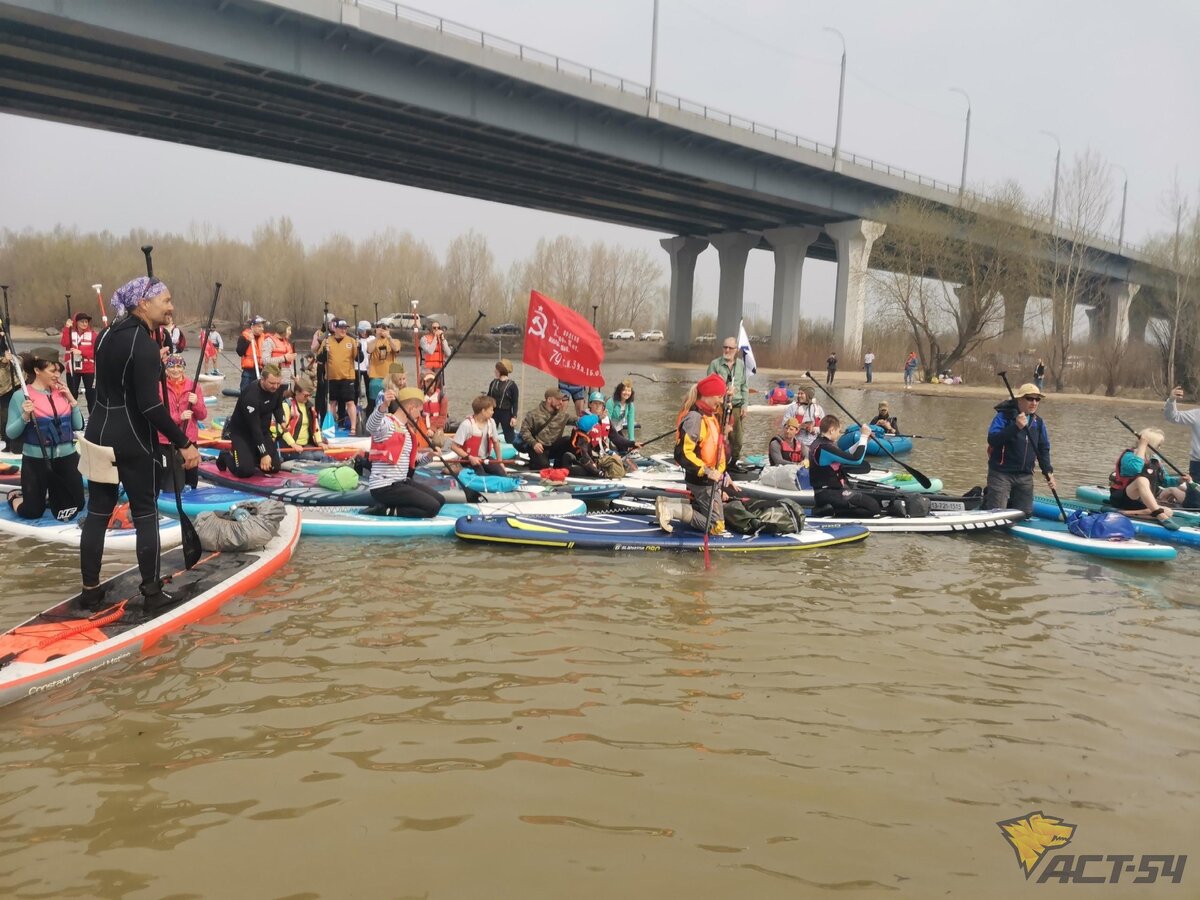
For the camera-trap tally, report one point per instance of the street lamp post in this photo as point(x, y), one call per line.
point(837, 140)
point(595, 306)
point(962, 185)
point(1124, 199)
point(1054, 198)
point(654, 55)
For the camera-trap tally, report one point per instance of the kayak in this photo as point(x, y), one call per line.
point(57, 646)
point(1188, 535)
point(356, 523)
point(879, 443)
point(48, 528)
point(1098, 495)
point(1055, 534)
point(637, 532)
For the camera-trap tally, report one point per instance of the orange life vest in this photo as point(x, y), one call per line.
point(254, 351)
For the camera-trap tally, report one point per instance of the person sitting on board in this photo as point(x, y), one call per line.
point(477, 442)
point(543, 430)
point(786, 448)
point(884, 420)
point(1138, 483)
point(620, 410)
point(249, 428)
point(1017, 441)
point(299, 430)
point(47, 416)
point(505, 392)
point(779, 395)
point(700, 450)
point(396, 450)
point(807, 412)
point(185, 403)
point(828, 467)
point(583, 459)
point(611, 442)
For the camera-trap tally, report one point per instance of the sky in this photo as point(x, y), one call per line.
point(1121, 79)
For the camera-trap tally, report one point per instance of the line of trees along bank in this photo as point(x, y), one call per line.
point(278, 277)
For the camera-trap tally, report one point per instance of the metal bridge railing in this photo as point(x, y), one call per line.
point(595, 76)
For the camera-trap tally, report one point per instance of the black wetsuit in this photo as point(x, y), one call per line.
point(249, 431)
point(128, 417)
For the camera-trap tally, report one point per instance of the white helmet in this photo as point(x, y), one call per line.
point(364, 325)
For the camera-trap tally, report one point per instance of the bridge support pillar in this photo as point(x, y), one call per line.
point(853, 240)
point(1114, 318)
point(733, 247)
point(1014, 314)
point(683, 252)
point(1139, 318)
point(790, 245)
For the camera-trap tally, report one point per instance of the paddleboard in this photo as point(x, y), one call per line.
point(300, 488)
point(49, 529)
point(1055, 534)
point(356, 523)
point(636, 532)
point(1188, 535)
point(205, 376)
point(59, 645)
point(1098, 495)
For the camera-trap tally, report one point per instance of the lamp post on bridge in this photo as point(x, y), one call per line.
point(837, 140)
point(962, 185)
point(1054, 198)
point(1124, 198)
point(595, 306)
point(654, 56)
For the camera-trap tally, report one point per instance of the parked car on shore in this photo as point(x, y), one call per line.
point(404, 321)
point(506, 328)
point(622, 334)
point(705, 339)
point(653, 335)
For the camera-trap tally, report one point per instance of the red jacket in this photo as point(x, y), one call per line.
point(176, 401)
point(84, 342)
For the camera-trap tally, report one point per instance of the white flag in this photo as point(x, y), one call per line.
point(747, 351)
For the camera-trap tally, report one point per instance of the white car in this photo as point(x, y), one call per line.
point(622, 334)
point(654, 335)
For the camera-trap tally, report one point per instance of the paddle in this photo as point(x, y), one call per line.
point(921, 478)
point(650, 377)
point(659, 437)
point(68, 296)
point(192, 551)
point(1062, 511)
point(438, 377)
point(327, 420)
point(1129, 428)
point(924, 437)
point(100, 300)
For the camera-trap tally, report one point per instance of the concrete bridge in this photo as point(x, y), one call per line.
point(368, 88)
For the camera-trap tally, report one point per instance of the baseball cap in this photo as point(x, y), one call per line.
point(258, 320)
point(339, 323)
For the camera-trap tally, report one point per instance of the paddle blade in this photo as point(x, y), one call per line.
point(921, 478)
point(327, 422)
point(192, 551)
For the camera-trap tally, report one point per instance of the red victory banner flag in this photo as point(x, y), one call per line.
point(561, 342)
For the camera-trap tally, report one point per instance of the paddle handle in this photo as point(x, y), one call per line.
point(1178, 471)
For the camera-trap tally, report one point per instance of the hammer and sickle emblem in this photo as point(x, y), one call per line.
point(538, 324)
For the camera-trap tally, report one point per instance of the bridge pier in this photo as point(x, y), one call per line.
point(853, 240)
point(1108, 322)
point(733, 247)
point(683, 252)
point(790, 245)
point(1139, 318)
point(1014, 314)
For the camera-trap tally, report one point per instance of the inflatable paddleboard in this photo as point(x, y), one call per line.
point(1098, 495)
point(636, 532)
point(1055, 534)
point(49, 529)
point(356, 523)
point(300, 488)
point(1187, 535)
point(59, 645)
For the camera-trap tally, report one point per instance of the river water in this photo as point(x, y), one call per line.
point(435, 719)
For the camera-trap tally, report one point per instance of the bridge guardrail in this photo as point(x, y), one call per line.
point(627, 86)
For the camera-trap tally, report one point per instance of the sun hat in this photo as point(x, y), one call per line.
point(1029, 389)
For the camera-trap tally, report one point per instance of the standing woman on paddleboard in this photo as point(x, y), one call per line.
point(700, 450)
point(121, 440)
point(47, 416)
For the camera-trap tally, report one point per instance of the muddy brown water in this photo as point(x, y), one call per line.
point(435, 719)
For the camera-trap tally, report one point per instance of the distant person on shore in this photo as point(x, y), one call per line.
point(830, 366)
point(1017, 441)
point(1191, 418)
point(1039, 374)
point(910, 369)
point(868, 364)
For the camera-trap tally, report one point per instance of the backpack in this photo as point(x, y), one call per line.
point(1109, 526)
point(909, 506)
point(764, 516)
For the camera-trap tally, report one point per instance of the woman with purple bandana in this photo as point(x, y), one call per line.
point(128, 417)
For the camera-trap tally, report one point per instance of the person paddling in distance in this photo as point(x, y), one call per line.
point(1191, 417)
point(121, 435)
point(1138, 483)
point(185, 403)
point(299, 429)
point(477, 443)
point(700, 450)
point(805, 410)
point(395, 453)
point(79, 341)
point(786, 448)
point(253, 450)
point(829, 467)
point(507, 396)
point(1017, 441)
point(884, 419)
point(47, 416)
